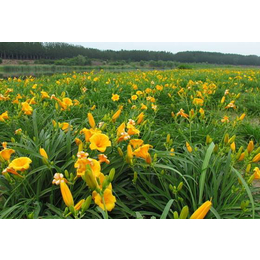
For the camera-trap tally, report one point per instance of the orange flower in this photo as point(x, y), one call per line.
point(142, 152)
point(103, 158)
point(6, 154)
point(182, 114)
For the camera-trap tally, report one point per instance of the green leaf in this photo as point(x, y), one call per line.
point(204, 171)
point(247, 190)
point(166, 209)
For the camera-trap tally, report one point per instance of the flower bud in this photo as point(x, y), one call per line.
point(90, 178)
point(66, 194)
point(241, 157)
point(250, 146)
point(175, 215)
point(148, 159)
point(120, 151)
point(256, 158)
point(208, 139)
point(202, 211)
point(184, 212)
point(168, 138)
point(112, 174)
point(91, 120)
point(233, 147)
point(250, 180)
point(79, 204)
point(232, 139)
point(239, 152)
point(189, 148)
point(180, 186)
point(248, 168)
point(226, 138)
point(215, 150)
point(67, 175)
point(86, 204)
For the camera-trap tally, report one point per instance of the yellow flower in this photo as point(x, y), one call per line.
point(142, 152)
point(66, 194)
point(44, 94)
point(132, 130)
point(4, 116)
point(81, 164)
point(26, 108)
point(99, 142)
point(134, 97)
point(231, 104)
point(43, 153)
point(143, 107)
point(121, 129)
point(109, 199)
point(136, 143)
point(115, 97)
point(256, 173)
point(65, 126)
point(202, 211)
point(20, 164)
point(6, 154)
point(91, 120)
point(198, 101)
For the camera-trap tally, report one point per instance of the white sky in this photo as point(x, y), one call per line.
point(245, 48)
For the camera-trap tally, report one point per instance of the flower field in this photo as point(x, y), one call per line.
point(173, 144)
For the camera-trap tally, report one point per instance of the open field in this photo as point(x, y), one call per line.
point(140, 144)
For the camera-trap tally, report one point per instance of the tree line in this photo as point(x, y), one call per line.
point(58, 50)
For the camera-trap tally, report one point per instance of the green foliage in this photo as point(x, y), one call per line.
point(175, 183)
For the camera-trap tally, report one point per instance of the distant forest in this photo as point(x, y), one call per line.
point(55, 51)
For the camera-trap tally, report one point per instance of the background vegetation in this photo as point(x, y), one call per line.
point(57, 51)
